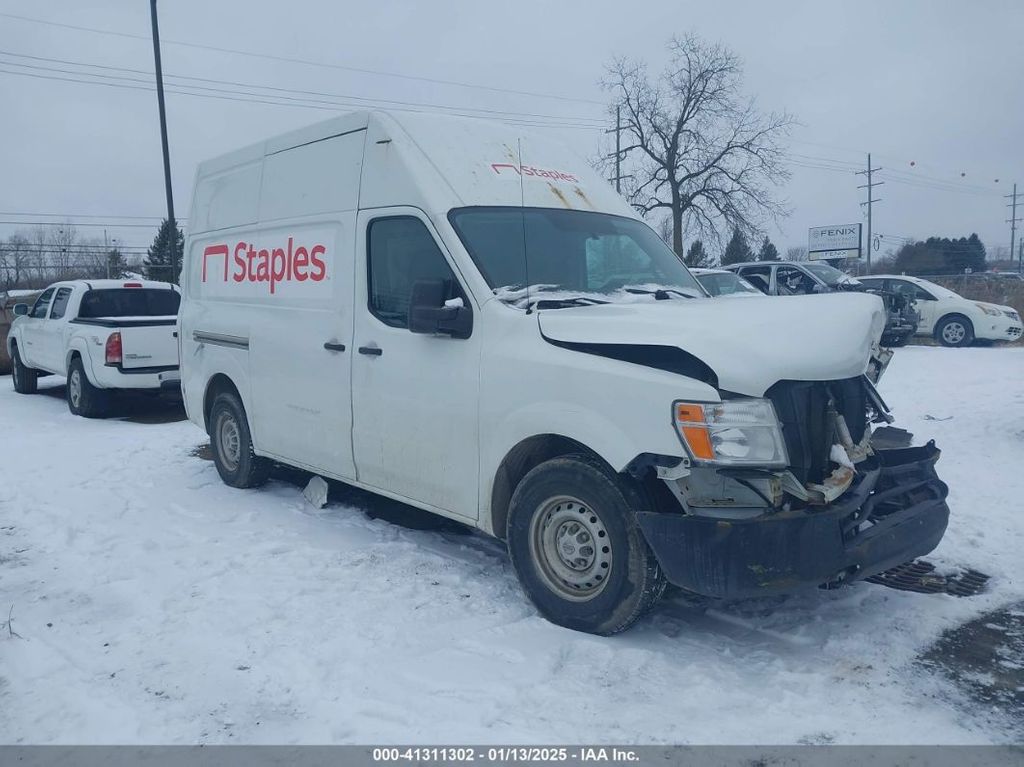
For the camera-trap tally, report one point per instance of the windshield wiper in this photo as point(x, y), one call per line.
point(661, 294)
point(561, 303)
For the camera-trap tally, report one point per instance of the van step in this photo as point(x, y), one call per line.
point(919, 576)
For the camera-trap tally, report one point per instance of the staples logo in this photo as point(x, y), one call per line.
point(528, 170)
point(272, 266)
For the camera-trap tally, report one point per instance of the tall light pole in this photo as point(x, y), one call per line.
point(172, 242)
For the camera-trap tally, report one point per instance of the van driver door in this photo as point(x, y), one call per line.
point(415, 397)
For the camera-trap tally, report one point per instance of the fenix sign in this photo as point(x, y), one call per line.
point(837, 241)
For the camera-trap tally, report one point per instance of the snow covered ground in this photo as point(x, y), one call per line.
point(152, 604)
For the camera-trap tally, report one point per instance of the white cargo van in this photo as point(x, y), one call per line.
point(468, 319)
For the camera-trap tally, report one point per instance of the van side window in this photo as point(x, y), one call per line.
point(41, 305)
point(401, 252)
point(60, 303)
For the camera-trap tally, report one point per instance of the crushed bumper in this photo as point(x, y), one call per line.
point(895, 511)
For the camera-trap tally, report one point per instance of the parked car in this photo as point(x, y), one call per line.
point(104, 335)
point(401, 303)
point(7, 301)
point(791, 278)
point(720, 282)
point(948, 317)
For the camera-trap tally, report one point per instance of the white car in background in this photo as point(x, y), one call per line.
point(948, 317)
point(720, 282)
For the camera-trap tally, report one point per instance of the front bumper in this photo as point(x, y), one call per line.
point(895, 511)
point(1000, 329)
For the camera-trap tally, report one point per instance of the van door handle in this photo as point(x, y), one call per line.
point(373, 351)
point(333, 347)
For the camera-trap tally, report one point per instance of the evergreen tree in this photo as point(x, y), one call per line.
point(768, 251)
point(941, 255)
point(116, 266)
point(696, 256)
point(737, 250)
point(157, 265)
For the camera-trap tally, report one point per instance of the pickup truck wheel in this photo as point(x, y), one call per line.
point(954, 330)
point(84, 399)
point(25, 378)
point(231, 444)
point(576, 547)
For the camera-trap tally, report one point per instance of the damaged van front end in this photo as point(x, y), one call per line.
point(783, 481)
point(839, 509)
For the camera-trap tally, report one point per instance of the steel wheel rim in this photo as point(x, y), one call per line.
point(954, 332)
point(571, 547)
point(75, 388)
point(230, 442)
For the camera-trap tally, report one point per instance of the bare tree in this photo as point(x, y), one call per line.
point(16, 259)
point(698, 148)
point(796, 253)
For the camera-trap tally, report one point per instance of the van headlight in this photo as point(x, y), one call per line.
point(734, 432)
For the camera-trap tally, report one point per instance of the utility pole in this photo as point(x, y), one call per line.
point(617, 130)
point(869, 186)
point(173, 239)
point(1013, 228)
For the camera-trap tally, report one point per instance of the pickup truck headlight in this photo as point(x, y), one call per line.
point(735, 432)
point(991, 311)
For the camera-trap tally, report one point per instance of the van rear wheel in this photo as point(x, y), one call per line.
point(577, 549)
point(231, 444)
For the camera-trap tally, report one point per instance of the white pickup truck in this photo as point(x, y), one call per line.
point(104, 335)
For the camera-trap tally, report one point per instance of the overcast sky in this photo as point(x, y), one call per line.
point(936, 84)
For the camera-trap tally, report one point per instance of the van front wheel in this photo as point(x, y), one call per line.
point(576, 547)
point(231, 444)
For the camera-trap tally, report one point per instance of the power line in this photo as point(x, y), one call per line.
point(306, 62)
point(268, 100)
point(496, 112)
point(80, 223)
point(107, 217)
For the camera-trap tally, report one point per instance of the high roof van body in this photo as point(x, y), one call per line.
point(466, 318)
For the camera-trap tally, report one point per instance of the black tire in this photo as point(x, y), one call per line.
point(954, 330)
point(231, 444)
point(84, 399)
point(26, 380)
point(573, 500)
point(896, 341)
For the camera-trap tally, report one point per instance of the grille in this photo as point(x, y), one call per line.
point(802, 408)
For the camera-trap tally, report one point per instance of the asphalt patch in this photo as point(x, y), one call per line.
point(985, 660)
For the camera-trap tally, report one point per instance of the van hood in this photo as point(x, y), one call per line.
point(748, 345)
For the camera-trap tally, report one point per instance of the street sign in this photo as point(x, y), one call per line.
point(834, 242)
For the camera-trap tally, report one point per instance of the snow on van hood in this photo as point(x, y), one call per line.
point(750, 344)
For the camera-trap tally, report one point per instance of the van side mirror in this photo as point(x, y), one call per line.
point(20, 310)
point(430, 314)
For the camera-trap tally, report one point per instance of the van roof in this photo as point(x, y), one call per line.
point(439, 162)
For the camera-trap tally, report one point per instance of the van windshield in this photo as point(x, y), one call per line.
point(570, 251)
